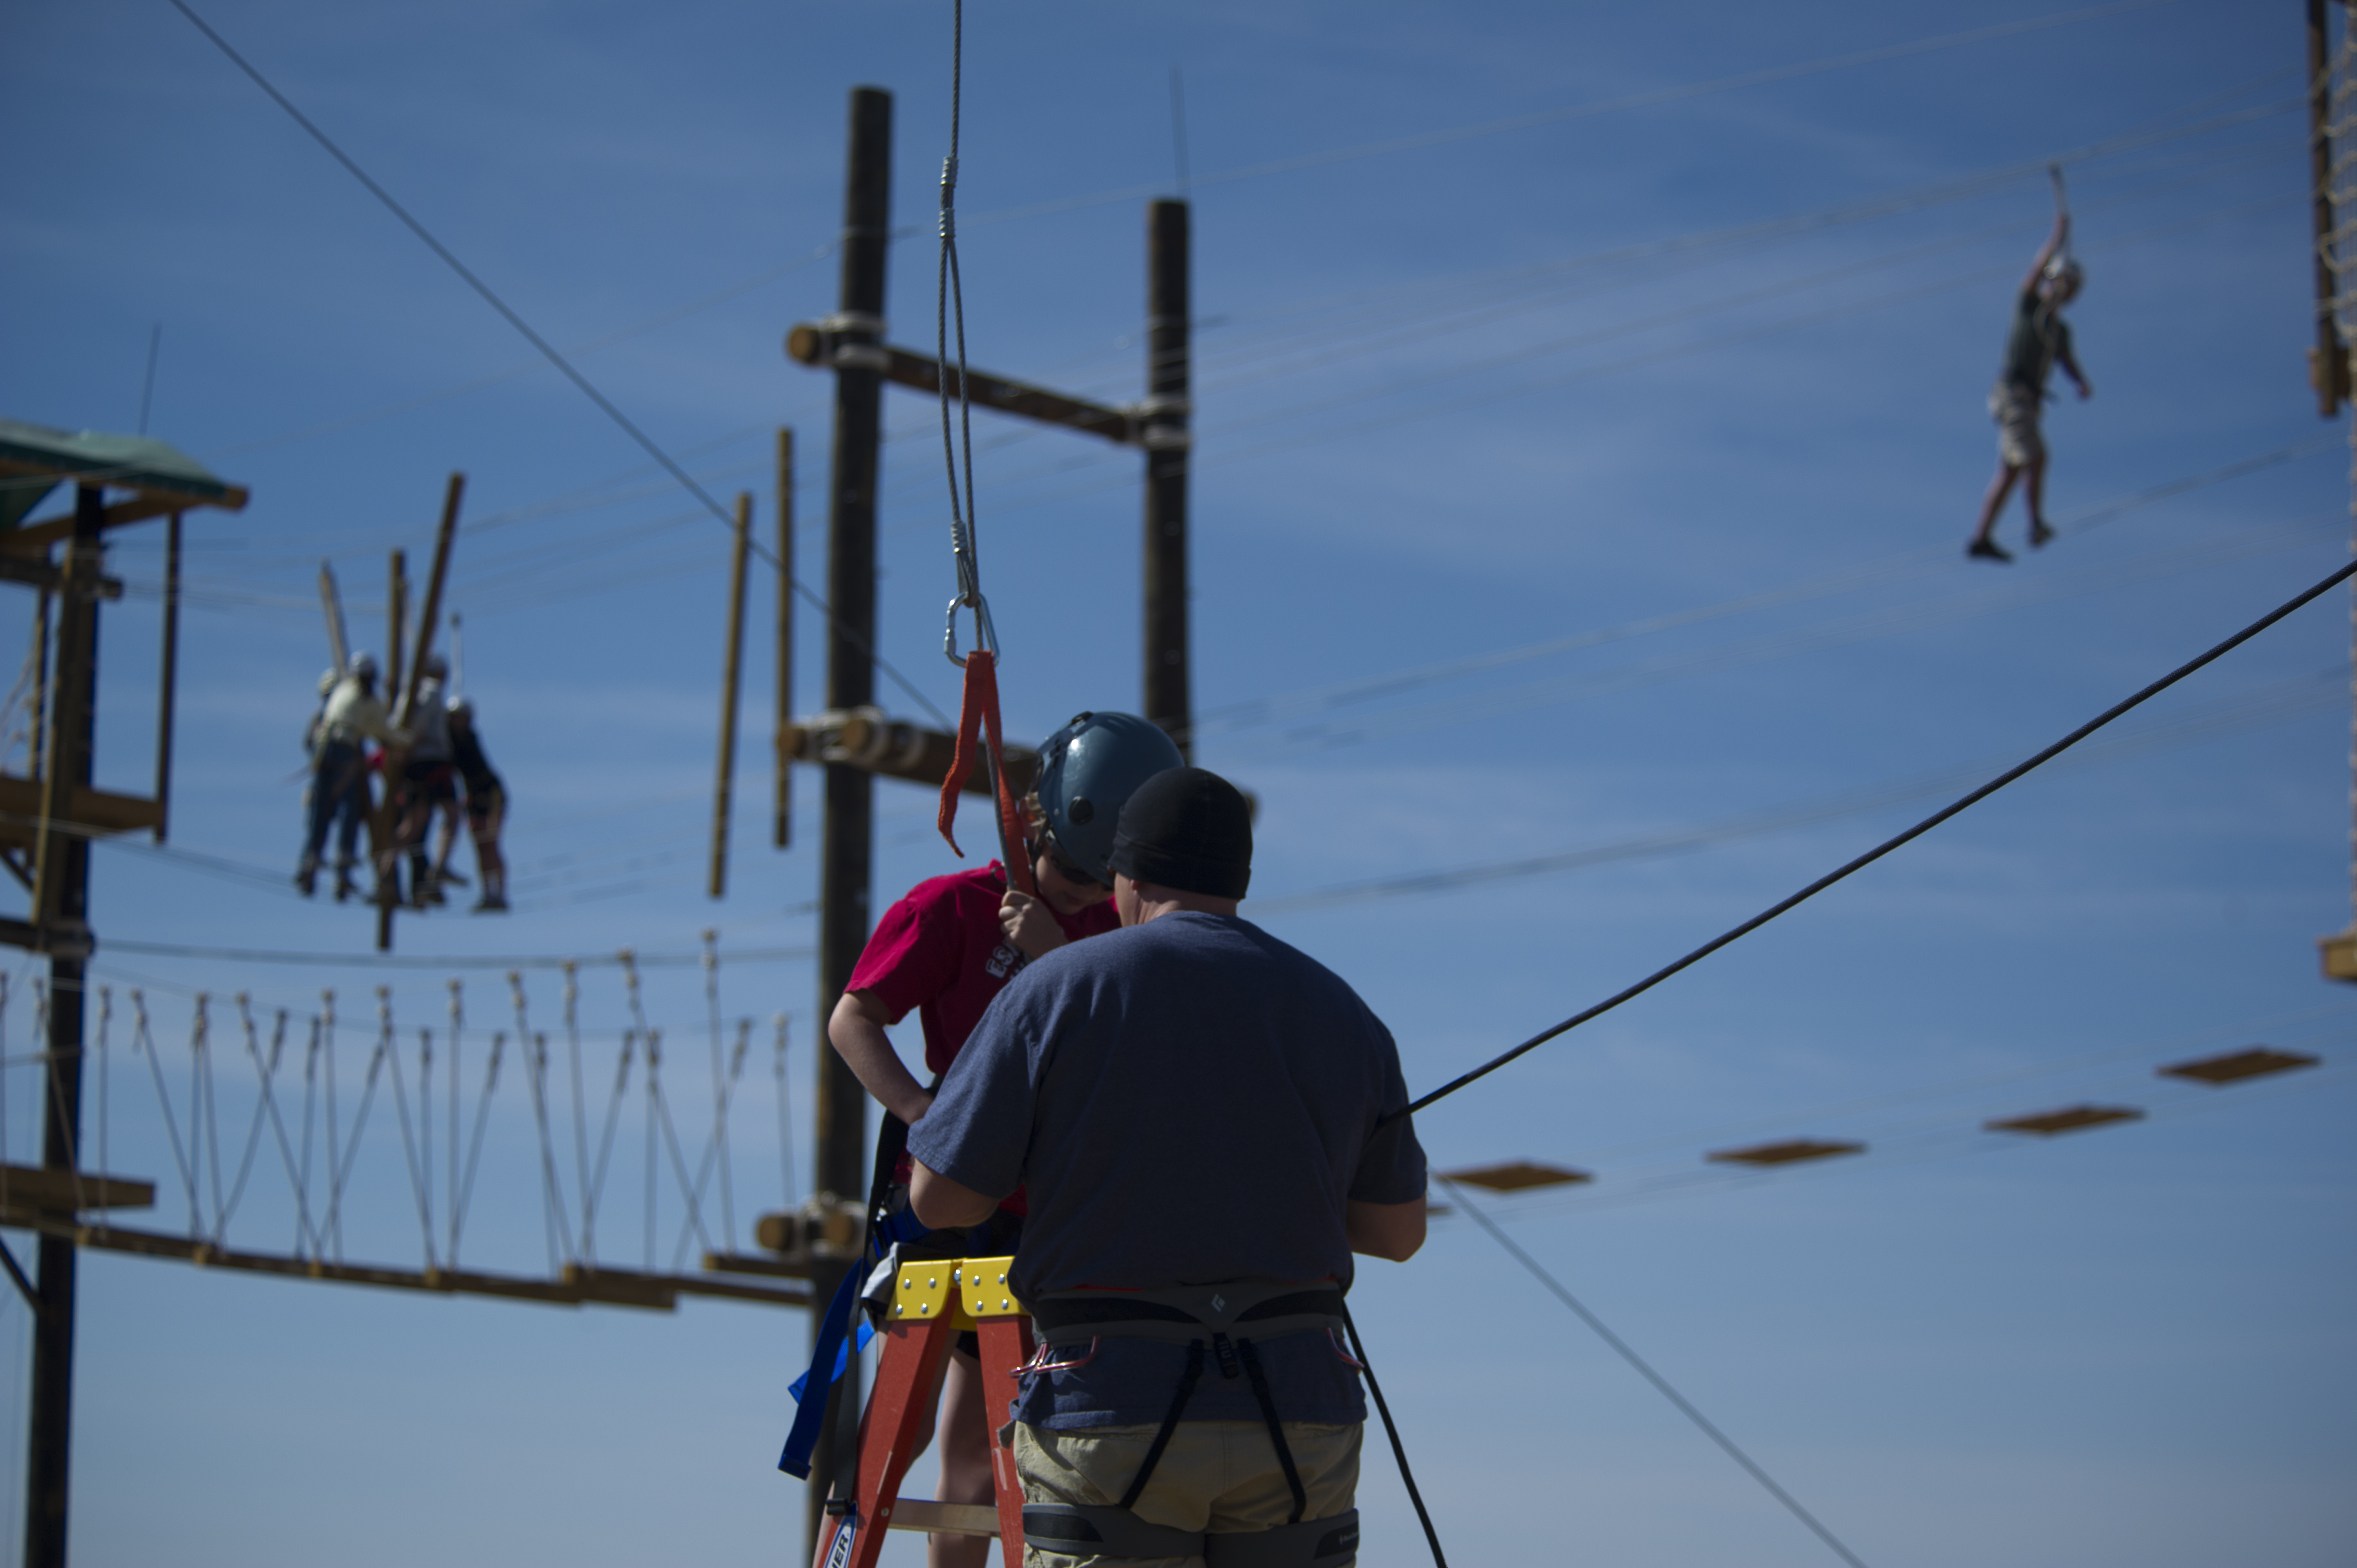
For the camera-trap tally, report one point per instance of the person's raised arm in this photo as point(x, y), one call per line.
point(856, 1031)
point(1392, 1231)
point(2047, 252)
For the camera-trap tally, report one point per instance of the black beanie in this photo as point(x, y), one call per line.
point(1185, 828)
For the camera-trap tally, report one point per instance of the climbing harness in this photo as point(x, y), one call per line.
point(925, 1306)
point(1205, 1318)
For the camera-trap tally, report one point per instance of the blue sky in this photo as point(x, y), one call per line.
point(1592, 490)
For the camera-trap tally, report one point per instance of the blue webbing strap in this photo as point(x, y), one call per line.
point(834, 1347)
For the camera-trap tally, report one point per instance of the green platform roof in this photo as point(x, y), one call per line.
point(34, 459)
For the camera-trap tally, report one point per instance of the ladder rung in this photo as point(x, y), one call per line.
point(943, 1519)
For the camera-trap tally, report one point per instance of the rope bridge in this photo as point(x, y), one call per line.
point(281, 1127)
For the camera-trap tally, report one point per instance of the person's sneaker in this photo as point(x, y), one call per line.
point(490, 904)
point(346, 889)
point(307, 880)
point(2040, 533)
point(1987, 549)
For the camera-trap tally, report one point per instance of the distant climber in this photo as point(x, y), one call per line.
point(428, 784)
point(2040, 339)
point(339, 789)
point(486, 807)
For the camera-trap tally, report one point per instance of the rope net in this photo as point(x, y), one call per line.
point(492, 1137)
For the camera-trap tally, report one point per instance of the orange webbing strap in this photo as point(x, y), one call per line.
point(976, 713)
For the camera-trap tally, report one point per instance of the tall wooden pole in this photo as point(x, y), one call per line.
point(732, 665)
point(60, 912)
point(168, 681)
point(847, 839)
point(381, 824)
point(1166, 438)
point(443, 536)
point(2332, 357)
point(782, 807)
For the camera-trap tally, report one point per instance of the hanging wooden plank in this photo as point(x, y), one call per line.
point(1517, 1176)
point(2236, 1065)
point(1790, 1152)
point(2069, 1119)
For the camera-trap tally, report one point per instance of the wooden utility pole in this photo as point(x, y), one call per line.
point(782, 828)
point(1166, 439)
point(732, 665)
point(2330, 359)
point(847, 848)
point(169, 680)
point(60, 914)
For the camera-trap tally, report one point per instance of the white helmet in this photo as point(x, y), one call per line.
point(363, 664)
point(328, 679)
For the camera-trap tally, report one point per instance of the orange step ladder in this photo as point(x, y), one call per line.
point(931, 1304)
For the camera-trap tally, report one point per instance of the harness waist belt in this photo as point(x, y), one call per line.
point(1083, 1532)
point(1184, 1313)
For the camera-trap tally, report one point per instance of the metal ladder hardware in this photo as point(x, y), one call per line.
point(932, 1304)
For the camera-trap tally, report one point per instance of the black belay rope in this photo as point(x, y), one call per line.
point(1878, 851)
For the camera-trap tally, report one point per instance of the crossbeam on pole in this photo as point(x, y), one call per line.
point(822, 346)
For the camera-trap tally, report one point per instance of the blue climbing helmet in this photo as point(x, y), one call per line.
point(1087, 770)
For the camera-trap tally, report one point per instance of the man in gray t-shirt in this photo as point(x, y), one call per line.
point(1188, 1102)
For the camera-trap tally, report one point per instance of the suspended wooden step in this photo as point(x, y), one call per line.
point(2071, 1118)
point(93, 811)
point(1517, 1176)
point(39, 1189)
point(2337, 953)
point(1790, 1152)
point(2236, 1065)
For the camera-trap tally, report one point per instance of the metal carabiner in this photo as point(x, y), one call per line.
point(985, 632)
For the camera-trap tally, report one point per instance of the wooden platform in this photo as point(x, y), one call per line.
point(91, 810)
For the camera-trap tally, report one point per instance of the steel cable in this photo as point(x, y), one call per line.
point(1955, 808)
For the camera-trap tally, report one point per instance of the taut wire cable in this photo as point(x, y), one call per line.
point(1662, 1384)
point(2306, 596)
point(548, 350)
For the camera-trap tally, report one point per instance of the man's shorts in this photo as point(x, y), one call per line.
point(433, 781)
point(2018, 443)
point(1216, 1475)
point(485, 808)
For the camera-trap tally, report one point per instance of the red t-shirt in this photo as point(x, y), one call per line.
point(939, 950)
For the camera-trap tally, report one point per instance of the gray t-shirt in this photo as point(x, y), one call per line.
point(1187, 1101)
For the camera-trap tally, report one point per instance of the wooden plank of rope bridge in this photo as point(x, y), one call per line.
point(66, 1192)
point(2071, 1118)
point(753, 1263)
point(944, 1518)
point(1792, 1151)
point(2236, 1065)
point(622, 1287)
point(732, 1290)
point(1515, 1176)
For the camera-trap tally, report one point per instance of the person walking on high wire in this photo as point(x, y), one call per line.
point(1210, 1123)
point(2040, 340)
point(948, 949)
point(339, 786)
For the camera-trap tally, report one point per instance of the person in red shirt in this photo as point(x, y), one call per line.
point(946, 951)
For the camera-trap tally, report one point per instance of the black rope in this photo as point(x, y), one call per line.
point(1652, 1376)
point(1391, 1430)
point(549, 351)
point(1878, 851)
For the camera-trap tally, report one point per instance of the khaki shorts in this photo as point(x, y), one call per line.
point(1216, 1475)
point(2018, 443)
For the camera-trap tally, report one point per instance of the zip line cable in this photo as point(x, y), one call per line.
point(1649, 99)
point(949, 292)
point(1871, 856)
point(549, 351)
point(1621, 1348)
